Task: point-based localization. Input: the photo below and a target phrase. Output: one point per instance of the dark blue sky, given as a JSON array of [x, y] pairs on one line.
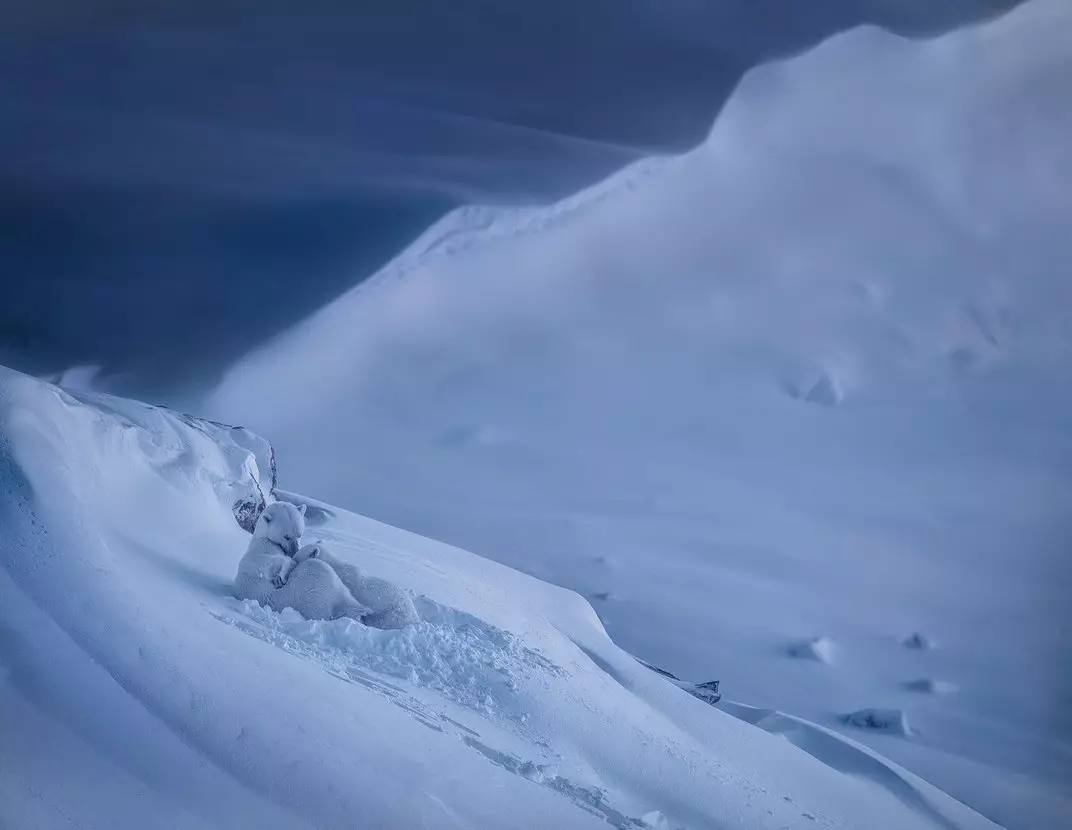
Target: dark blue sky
[[180, 181]]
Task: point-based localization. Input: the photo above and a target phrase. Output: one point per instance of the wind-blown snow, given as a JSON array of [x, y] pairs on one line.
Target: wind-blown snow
[[810, 377], [136, 691]]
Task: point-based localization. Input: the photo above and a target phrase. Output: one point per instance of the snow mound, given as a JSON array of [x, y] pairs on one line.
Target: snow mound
[[918, 642], [931, 686], [142, 693], [825, 391], [820, 649], [894, 721]]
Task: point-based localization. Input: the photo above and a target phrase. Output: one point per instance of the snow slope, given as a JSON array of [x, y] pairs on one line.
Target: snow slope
[[807, 383], [136, 691]]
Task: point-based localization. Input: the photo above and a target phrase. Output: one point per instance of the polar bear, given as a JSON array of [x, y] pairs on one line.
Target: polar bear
[[388, 606], [277, 574]]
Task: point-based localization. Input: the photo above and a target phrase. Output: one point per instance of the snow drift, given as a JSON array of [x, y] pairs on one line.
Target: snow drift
[[136, 691], [810, 377]]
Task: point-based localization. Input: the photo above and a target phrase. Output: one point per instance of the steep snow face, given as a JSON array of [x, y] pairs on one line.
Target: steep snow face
[[136, 691], [807, 381]]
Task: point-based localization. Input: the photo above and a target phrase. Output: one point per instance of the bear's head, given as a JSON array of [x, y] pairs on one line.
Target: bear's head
[[283, 524]]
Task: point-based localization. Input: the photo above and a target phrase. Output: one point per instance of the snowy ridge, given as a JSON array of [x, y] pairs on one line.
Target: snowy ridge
[[470, 226], [508, 704], [841, 753]]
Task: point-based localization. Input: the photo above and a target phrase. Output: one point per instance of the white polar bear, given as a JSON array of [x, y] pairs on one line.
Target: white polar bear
[[388, 605], [275, 573]]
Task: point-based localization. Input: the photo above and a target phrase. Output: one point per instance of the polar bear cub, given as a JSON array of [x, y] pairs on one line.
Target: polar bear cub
[[387, 605], [277, 574]]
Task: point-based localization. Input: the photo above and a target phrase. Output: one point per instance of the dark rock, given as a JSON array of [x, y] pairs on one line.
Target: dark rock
[[707, 692], [247, 511]]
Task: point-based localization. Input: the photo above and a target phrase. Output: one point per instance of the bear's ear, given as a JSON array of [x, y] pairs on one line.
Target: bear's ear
[[267, 518], [301, 509]]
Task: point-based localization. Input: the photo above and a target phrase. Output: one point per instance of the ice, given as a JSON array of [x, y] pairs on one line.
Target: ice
[[810, 377]]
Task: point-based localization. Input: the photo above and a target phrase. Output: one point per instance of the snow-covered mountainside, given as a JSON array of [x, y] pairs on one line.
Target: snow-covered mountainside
[[800, 393], [135, 691]]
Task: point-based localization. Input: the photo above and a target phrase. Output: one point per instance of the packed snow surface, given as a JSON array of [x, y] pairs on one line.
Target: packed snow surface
[[136, 691], [811, 378]]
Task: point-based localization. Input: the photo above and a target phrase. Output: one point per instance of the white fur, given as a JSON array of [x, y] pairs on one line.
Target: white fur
[[389, 606], [275, 573], [268, 560]]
